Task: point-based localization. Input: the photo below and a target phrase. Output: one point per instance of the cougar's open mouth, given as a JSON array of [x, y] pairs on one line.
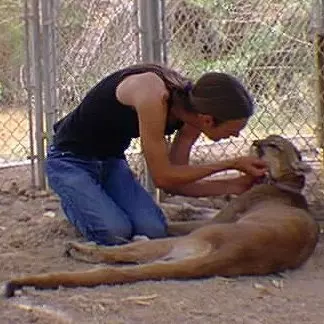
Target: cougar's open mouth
[[286, 169]]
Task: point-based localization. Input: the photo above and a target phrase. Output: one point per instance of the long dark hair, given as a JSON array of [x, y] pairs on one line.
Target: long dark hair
[[217, 94], [221, 95]]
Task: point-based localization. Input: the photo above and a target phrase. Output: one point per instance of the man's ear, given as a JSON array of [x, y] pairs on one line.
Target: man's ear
[[206, 120]]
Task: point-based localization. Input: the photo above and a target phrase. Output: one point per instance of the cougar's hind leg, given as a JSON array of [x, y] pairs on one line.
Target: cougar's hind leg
[[136, 252], [179, 265]]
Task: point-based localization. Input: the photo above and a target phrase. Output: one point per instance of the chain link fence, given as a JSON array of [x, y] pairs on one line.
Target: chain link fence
[[14, 120], [270, 46], [95, 38]]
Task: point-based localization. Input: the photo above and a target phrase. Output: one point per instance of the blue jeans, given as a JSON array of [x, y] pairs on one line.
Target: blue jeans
[[102, 199]]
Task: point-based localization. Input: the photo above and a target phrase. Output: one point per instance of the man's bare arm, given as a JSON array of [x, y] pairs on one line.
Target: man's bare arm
[[215, 187], [148, 94], [182, 144]]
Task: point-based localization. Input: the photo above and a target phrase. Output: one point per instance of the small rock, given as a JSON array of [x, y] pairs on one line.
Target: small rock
[[49, 214], [41, 193]]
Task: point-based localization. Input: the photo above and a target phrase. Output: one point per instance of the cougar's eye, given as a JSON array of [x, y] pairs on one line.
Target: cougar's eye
[[274, 146]]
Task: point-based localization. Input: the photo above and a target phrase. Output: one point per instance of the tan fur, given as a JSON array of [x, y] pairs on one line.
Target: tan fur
[[268, 229]]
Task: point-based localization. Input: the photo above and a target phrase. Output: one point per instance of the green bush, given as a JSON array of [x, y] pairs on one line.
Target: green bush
[[11, 50]]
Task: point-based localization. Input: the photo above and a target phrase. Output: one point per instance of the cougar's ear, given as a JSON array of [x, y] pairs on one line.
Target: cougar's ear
[[301, 167]]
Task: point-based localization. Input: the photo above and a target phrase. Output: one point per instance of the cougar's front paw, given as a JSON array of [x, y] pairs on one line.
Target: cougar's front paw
[[80, 251], [72, 247], [68, 249]]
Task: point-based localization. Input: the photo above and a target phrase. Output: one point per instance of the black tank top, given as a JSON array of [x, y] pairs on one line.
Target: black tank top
[[101, 126]]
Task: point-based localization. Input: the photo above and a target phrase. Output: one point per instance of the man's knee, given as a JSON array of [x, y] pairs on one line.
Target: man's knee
[[98, 227]]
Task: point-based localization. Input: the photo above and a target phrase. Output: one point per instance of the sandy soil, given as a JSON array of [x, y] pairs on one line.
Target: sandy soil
[[32, 237]]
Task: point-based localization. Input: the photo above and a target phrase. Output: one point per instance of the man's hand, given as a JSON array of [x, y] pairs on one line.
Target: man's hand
[[250, 165]]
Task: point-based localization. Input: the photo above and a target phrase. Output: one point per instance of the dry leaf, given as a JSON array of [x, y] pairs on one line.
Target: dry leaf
[[262, 288], [142, 302]]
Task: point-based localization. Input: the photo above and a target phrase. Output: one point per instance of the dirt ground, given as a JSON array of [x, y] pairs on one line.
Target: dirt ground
[[32, 238]]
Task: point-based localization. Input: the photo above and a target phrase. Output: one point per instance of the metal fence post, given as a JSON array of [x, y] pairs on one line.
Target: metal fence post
[[48, 66], [56, 6], [151, 52], [28, 54], [163, 39], [37, 86]]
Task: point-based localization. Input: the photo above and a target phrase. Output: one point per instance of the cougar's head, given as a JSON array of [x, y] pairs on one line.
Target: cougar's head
[[283, 159]]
